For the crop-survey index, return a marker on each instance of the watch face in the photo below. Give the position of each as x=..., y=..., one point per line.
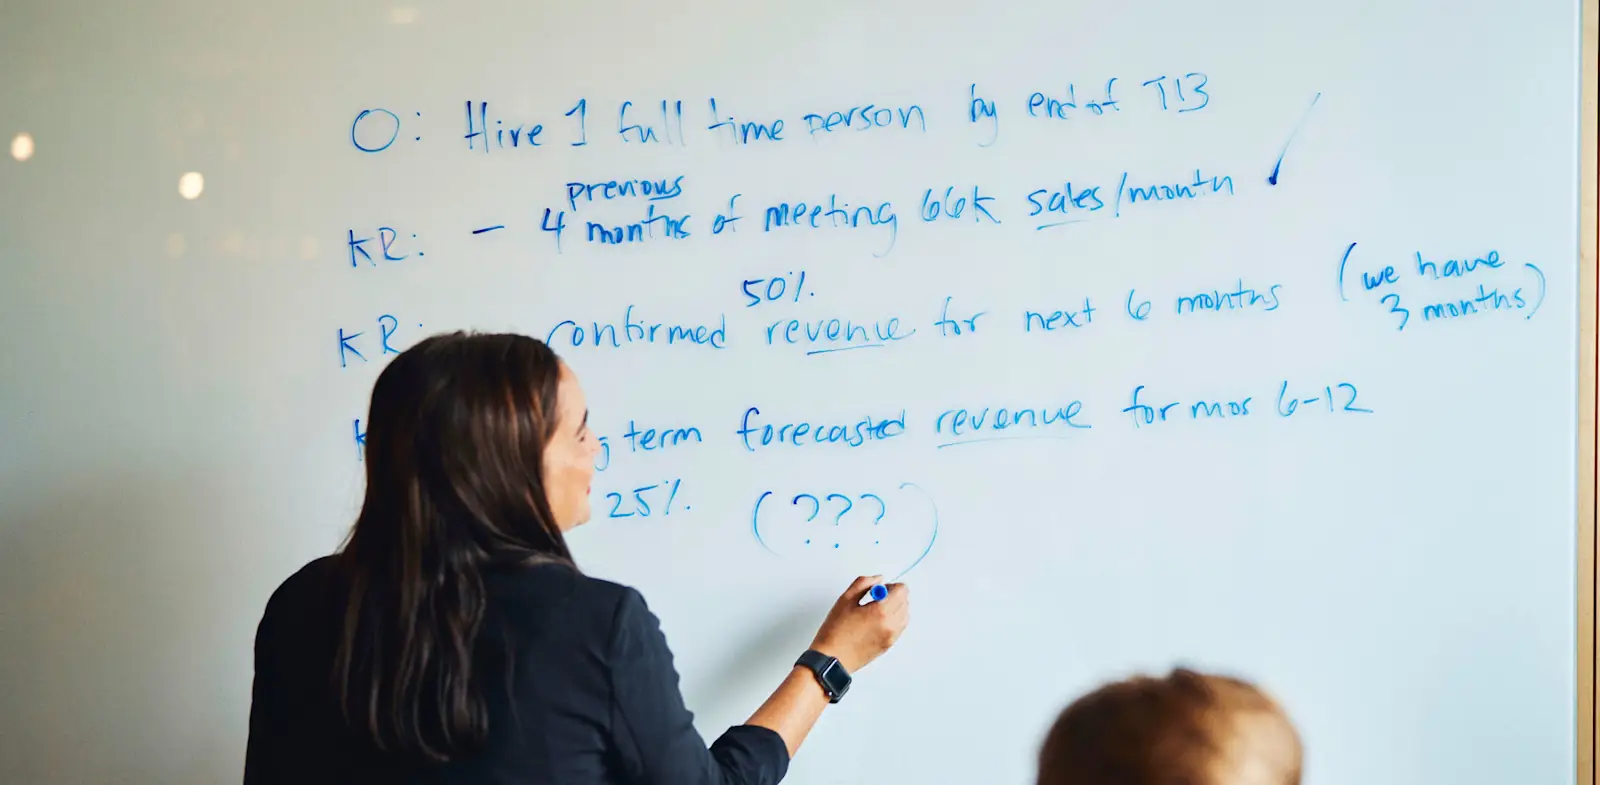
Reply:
x=835, y=676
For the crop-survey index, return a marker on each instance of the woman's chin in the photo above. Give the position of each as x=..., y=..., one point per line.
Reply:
x=573, y=519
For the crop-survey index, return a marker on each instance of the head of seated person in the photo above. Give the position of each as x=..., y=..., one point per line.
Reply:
x=1188, y=728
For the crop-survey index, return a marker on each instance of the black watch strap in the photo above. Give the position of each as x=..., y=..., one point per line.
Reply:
x=835, y=680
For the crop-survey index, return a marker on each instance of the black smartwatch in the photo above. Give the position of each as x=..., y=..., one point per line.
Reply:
x=835, y=680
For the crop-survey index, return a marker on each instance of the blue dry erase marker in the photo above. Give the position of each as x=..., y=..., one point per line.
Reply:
x=877, y=592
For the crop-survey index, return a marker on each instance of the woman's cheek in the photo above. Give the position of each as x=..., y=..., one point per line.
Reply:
x=589, y=458
x=582, y=478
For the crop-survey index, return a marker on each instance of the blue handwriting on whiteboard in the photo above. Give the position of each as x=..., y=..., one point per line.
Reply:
x=633, y=131
x=349, y=346
x=981, y=109
x=478, y=134
x=968, y=426
x=1145, y=414
x=1487, y=298
x=1384, y=277
x=953, y=205
x=655, y=439
x=604, y=335
x=1242, y=298
x=864, y=509
x=1272, y=179
x=835, y=335
x=653, y=225
x=1074, y=202
x=640, y=505
x=769, y=290
x=1060, y=319
x=388, y=248
x=1338, y=398
x=1066, y=107
x=1456, y=268
x=1175, y=191
x=832, y=214
x=1172, y=93
x=795, y=522
x=865, y=118
x=373, y=145
x=948, y=326
x=746, y=132
x=653, y=190
x=804, y=434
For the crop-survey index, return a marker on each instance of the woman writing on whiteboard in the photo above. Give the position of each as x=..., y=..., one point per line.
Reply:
x=452, y=639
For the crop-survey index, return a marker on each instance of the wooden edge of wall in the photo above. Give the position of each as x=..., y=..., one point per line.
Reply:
x=1588, y=744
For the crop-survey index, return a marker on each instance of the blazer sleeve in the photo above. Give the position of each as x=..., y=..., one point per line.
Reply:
x=261, y=754
x=654, y=732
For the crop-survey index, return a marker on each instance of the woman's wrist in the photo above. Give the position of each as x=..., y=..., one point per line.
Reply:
x=843, y=654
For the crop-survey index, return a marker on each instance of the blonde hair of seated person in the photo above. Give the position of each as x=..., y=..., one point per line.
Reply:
x=1188, y=728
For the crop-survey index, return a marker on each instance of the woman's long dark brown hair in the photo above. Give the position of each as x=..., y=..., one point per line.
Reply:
x=455, y=438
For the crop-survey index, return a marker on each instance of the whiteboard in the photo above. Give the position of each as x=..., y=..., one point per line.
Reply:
x=1278, y=312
